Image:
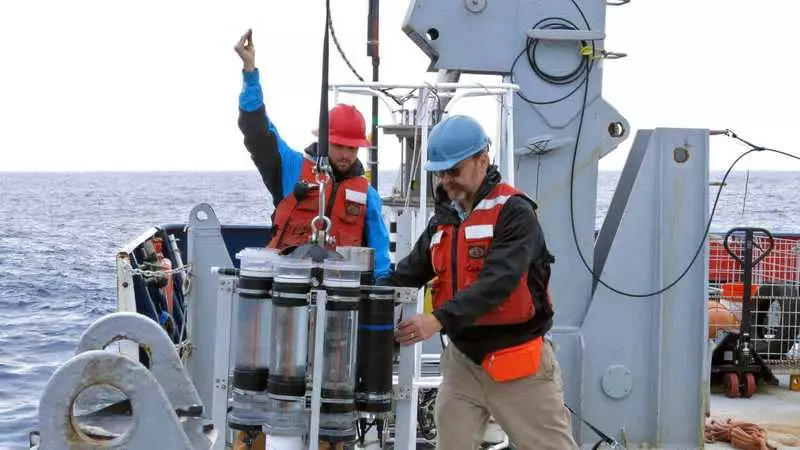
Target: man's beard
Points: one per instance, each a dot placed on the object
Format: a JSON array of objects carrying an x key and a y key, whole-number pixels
[{"x": 341, "y": 167}]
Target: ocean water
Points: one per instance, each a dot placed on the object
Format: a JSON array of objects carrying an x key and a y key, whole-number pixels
[{"x": 59, "y": 233}]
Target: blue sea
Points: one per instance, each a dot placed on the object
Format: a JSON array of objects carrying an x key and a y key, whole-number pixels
[{"x": 59, "y": 233}]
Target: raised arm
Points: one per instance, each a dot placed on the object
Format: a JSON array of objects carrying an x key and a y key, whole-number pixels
[{"x": 278, "y": 164}]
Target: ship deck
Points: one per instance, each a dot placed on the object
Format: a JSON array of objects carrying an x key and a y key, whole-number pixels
[{"x": 774, "y": 408}]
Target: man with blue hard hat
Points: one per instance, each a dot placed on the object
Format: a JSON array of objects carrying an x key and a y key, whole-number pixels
[{"x": 486, "y": 256}]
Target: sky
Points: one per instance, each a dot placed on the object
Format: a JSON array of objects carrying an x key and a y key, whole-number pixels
[{"x": 153, "y": 85}]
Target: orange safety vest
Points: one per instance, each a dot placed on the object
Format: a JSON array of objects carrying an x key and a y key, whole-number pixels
[
  {"x": 460, "y": 266},
  {"x": 346, "y": 207}
]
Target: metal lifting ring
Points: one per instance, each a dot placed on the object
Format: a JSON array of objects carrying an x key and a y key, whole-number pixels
[
  {"x": 325, "y": 219},
  {"x": 322, "y": 176}
]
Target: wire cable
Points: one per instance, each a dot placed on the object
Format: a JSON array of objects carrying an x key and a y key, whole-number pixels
[
  {"x": 580, "y": 72},
  {"x": 398, "y": 100},
  {"x": 729, "y": 133}
]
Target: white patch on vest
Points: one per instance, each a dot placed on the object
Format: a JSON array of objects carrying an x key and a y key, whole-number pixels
[
  {"x": 478, "y": 231},
  {"x": 436, "y": 238},
  {"x": 355, "y": 196},
  {"x": 489, "y": 203}
]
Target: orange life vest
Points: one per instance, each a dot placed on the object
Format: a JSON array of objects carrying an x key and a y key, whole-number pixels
[
  {"x": 168, "y": 291},
  {"x": 346, "y": 207},
  {"x": 461, "y": 266}
]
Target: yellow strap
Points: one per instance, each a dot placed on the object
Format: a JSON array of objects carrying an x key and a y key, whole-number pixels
[{"x": 428, "y": 308}]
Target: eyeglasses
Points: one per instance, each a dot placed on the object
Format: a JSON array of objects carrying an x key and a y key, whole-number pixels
[{"x": 455, "y": 171}]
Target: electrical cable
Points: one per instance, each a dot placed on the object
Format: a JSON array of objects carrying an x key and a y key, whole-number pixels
[
  {"x": 729, "y": 133},
  {"x": 584, "y": 66},
  {"x": 399, "y": 100},
  {"x": 582, "y": 73},
  {"x": 700, "y": 246},
  {"x": 744, "y": 198}
]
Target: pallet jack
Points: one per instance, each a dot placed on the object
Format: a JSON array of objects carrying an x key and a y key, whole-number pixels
[{"x": 734, "y": 360}]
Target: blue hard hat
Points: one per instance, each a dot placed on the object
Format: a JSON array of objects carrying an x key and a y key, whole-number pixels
[{"x": 454, "y": 140}]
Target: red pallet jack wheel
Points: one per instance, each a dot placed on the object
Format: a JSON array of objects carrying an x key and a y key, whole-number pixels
[
  {"x": 731, "y": 384},
  {"x": 749, "y": 386}
]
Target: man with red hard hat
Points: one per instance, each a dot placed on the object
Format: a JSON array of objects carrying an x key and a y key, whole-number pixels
[{"x": 352, "y": 205}]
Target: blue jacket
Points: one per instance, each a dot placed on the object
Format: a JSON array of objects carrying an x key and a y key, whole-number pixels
[{"x": 280, "y": 165}]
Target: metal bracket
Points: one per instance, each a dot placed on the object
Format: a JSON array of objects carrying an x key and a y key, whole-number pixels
[
  {"x": 152, "y": 413},
  {"x": 225, "y": 311},
  {"x": 165, "y": 363},
  {"x": 401, "y": 392},
  {"x": 566, "y": 35},
  {"x": 605, "y": 54},
  {"x": 405, "y": 294}
]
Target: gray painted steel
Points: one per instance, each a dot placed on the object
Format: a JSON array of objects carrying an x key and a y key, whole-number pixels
[
  {"x": 165, "y": 363},
  {"x": 205, "y": 249},
  {"x": 154, "y": 421}
]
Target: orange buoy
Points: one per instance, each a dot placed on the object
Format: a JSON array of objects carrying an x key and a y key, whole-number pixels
[{"x": 720, "y": 318}]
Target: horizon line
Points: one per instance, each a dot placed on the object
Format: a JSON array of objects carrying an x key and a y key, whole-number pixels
[{"x": 254, "y": 171}]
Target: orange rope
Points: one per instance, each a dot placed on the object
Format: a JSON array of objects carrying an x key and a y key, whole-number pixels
[{"x": 741, "y": 435}]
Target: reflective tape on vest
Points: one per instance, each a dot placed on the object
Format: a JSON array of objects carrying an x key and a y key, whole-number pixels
[
  {"x": 473, "y": 242},
  {"x": 436, "y": 238},
  {"x": 489, "y": 203},
  {"x": 355, "y": 196},
  {"x": 478, "y": 231}
]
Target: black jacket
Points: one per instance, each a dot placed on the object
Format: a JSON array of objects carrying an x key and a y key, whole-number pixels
[{"x": 518, "y": 245}]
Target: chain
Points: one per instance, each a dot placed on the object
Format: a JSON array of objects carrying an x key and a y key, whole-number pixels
[
  {"x": 161, "y": 274},
  {"x": 185, "y": 347},
  {"x": 158, "y": 273}
]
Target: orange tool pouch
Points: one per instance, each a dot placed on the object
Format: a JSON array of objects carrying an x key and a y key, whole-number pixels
[{"x": 514, "y": 362}]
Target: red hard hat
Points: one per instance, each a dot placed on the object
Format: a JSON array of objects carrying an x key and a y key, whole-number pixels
[{"x": 347, "y": 127}]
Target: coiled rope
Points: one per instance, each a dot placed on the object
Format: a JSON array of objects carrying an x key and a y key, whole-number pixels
[{"x": 741, "y": 435}]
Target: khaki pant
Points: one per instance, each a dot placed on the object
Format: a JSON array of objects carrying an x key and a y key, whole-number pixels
[{"x": 530, "y": 410}]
